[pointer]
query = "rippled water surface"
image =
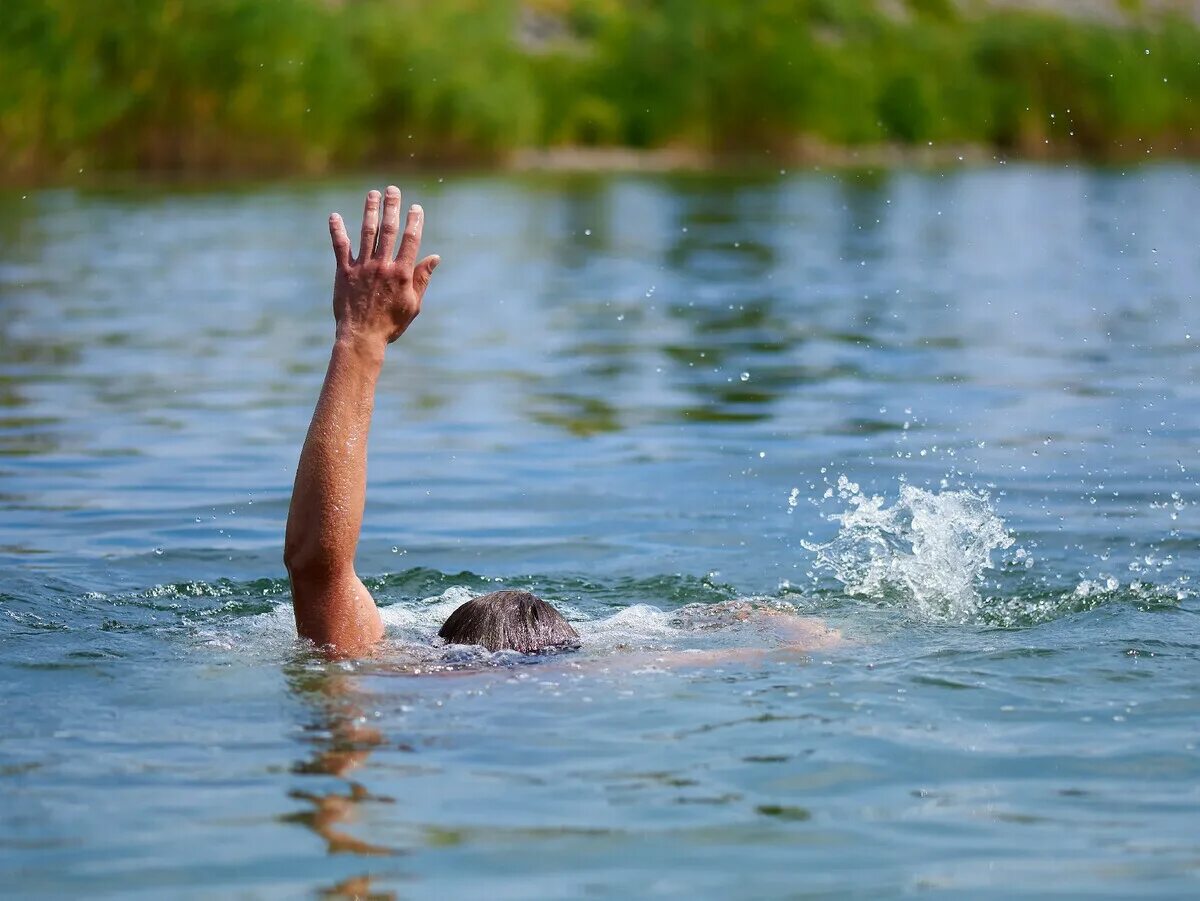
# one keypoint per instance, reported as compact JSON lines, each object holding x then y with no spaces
{"x":952,"y":414}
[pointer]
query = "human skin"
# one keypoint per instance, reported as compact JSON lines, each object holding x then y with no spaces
{"x":375,"y":299}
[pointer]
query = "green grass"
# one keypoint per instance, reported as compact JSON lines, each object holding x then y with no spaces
{"x":229,"y":86}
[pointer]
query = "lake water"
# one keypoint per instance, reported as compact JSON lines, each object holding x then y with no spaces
{"x":954,"y":414}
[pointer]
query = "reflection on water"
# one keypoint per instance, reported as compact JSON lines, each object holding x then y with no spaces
{"x":342,"y":742}
{"x":632,"y":395}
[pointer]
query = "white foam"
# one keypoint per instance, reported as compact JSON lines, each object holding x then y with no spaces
{"x":271,"y":634}
{"x":928,"y":548}
{"x":638,"y":626}
{"x":420,"y":620}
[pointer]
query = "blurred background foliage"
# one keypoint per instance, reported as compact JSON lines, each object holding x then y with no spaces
{"x":251,"y":86}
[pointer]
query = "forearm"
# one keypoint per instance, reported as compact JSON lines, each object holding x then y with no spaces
{"x":331,"y":478}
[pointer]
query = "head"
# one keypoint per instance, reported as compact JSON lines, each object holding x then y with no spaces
{"x":510,"y":621}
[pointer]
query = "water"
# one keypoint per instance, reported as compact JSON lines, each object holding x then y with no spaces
{"x":952,"y":414}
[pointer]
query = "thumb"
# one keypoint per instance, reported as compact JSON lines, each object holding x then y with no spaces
{"x":423,"y":271}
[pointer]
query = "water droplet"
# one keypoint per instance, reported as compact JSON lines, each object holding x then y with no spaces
{"x":587,"y":231}
{"x":745,"y":376}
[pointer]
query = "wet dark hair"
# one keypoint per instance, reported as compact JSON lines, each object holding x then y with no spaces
{"x":510,"y":621}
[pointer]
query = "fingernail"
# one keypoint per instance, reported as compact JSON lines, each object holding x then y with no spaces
{"x":392,"y":189}
{"x":416,"y":208}
{"x":433,"y":264}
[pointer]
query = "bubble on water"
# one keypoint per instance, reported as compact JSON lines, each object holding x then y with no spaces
{"x":929,"y":548}
{"x":745,"y":376}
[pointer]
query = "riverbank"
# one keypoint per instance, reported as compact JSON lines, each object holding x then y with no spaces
{"x":811,"y":152}
{"x":308,"y":87}
{"x":813,"y":156}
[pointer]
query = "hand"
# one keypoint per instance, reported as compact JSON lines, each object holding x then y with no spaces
{"x":375,"y":298}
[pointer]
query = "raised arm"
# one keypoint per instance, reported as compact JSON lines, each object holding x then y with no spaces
{"x":375,"y":298}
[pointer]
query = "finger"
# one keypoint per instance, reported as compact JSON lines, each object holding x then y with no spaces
{"x":341,"y":241}
{"x":391,"y":224}
{"x":370,"y":224}
{"x":411,"y":242}
{"x":423,"y":272}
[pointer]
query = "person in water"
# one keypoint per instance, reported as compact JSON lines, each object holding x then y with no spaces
{"x":376,"y":296}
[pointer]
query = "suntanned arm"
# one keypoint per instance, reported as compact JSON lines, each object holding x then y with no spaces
{"x":801,"y":634}
{"x":375,"y":299}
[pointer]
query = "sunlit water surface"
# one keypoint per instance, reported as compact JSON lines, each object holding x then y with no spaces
{"x":953,"y":414}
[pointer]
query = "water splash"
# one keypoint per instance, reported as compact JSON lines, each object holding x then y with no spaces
{"x":929,"y":548}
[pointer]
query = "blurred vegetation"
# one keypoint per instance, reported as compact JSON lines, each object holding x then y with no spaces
{"x":312,"y":85}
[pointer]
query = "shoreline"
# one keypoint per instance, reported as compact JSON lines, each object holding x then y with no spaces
{"x":806,"y":155}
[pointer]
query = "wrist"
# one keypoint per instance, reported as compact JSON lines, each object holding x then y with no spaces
{"x":365,"y":347}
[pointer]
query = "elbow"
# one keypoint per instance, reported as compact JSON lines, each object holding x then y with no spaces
{"x":293,"y":555}
{"x":305,"y":561}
